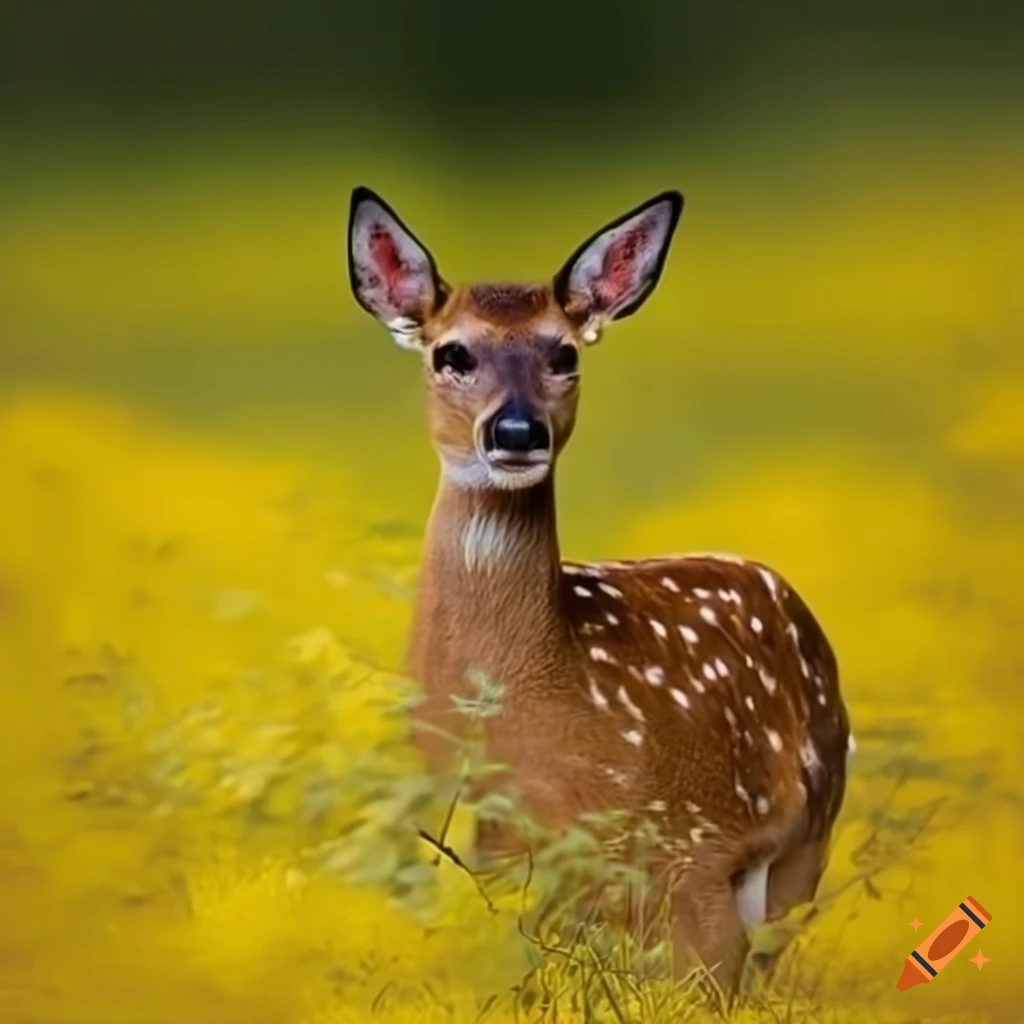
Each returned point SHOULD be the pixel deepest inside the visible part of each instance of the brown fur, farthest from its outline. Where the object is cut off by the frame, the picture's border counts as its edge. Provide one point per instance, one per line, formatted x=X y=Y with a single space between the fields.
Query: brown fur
x=507 y=304
x=740 y=734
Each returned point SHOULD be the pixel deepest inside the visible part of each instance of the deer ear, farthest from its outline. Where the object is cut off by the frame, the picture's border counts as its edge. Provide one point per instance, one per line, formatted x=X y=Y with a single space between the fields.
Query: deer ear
x=614 y=271
x=393 y=275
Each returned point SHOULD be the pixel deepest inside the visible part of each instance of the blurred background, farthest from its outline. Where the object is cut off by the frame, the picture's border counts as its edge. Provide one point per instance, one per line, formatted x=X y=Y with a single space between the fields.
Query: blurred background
x=214 y=474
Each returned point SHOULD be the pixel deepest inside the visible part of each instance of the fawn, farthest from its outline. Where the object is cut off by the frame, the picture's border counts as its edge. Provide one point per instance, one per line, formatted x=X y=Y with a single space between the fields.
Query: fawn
x=700 y=685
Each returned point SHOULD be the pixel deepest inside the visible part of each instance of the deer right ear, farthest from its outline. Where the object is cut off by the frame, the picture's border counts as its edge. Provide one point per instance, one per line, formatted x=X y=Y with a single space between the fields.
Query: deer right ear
x=615 y=270
x=393 y=275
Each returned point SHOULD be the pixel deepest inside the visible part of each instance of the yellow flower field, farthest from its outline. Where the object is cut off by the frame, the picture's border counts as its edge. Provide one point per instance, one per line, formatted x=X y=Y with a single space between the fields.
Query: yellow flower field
x=213 y=478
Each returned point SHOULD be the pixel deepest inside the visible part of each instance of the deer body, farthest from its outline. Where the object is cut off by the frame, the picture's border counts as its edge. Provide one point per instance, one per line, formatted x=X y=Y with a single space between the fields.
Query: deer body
x=701 y=686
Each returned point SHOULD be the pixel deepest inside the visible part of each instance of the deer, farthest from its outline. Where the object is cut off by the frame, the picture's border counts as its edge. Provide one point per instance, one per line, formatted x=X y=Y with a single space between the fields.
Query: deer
x=699 y=684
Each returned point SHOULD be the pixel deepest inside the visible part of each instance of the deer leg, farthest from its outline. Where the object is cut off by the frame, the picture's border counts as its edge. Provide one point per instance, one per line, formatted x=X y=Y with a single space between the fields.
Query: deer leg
x=792 y=880
x=706 y=924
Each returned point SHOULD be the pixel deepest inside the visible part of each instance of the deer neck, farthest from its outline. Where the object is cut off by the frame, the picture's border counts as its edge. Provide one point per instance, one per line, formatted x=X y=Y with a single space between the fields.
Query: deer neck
x=489 y=590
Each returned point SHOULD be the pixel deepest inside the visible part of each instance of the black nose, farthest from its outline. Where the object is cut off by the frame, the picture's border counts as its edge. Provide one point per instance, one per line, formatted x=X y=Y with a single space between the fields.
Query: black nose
x=515 y=428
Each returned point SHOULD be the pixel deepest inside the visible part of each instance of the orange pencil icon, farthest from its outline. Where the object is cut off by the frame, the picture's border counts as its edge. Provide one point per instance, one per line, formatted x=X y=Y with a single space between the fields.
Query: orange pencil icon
x=943 y=944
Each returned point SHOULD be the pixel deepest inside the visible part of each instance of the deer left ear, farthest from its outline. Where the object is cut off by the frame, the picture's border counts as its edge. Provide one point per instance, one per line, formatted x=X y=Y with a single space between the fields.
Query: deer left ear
x=613 y=272
x=393 y=276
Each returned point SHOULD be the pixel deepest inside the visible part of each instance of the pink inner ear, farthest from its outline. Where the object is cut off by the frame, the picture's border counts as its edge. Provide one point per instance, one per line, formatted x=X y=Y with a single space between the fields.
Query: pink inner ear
x=619 y=266
x=387 y=262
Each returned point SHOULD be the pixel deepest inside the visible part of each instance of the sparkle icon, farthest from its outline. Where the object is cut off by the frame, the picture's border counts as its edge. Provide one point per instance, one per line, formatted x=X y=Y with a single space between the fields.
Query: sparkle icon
x=980 y=959
x=925 y=962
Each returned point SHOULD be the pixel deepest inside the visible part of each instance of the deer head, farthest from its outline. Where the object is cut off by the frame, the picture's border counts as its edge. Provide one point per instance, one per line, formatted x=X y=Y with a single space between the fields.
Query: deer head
x=501 y=362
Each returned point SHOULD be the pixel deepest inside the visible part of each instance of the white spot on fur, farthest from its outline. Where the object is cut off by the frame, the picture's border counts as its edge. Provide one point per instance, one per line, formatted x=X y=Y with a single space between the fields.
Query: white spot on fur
x=822 y=699
x=721 y=668
x=689 y=634
x=749 y=701
x=680 y=698
x=768 y=681
x=701 y=593
x=619 y=778
x=613 y=619
x=670 y=584
x=627 y=703
x=774 y=739
x=763 y=807
x=696 y=683
x=709 y=672
x=770 y=582
x=659 y=628
x=582 y=592
x=692 y=808
x=810 y=758
x=609 y=590
x=633 y=736
x=752 y=896
x=851 y=746
x=696 y=836
x=730 y=717
x=599 y=699
x=708 y=614
x=794 y=634
x=741 y=792
x=600 y=654
x=654 y=674
x=756 y=624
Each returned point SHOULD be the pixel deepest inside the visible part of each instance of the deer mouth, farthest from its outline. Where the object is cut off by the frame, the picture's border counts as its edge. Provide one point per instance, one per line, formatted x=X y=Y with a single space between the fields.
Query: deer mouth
x=515 y=461
x=514 y=470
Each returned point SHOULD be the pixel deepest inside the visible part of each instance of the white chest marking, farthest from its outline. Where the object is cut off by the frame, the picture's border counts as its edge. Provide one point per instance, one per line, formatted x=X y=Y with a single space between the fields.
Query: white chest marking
x=487 y=539
x=752 y=895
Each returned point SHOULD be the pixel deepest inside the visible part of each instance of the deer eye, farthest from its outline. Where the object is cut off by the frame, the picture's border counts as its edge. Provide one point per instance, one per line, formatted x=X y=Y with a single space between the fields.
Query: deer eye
x=453 y=356
x=565 y=360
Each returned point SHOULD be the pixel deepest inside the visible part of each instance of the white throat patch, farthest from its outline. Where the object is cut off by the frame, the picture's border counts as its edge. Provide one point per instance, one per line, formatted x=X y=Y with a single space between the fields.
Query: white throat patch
x=489 y=539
